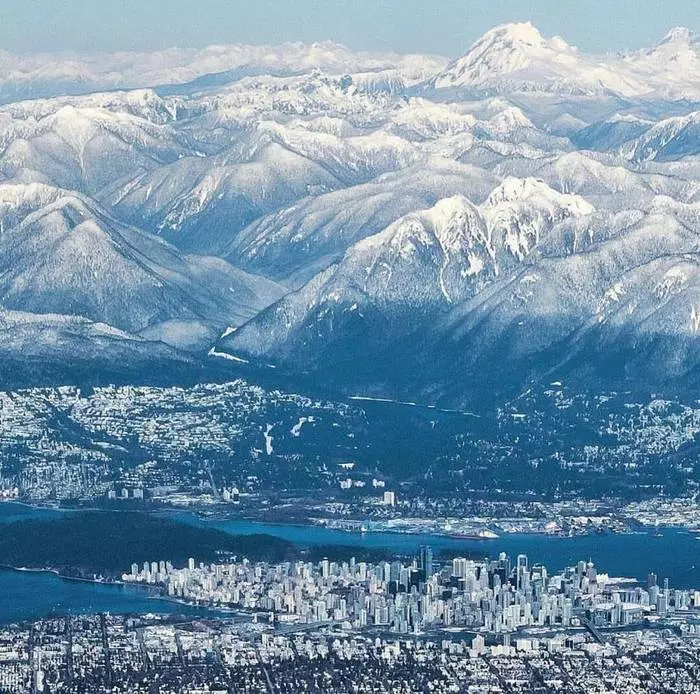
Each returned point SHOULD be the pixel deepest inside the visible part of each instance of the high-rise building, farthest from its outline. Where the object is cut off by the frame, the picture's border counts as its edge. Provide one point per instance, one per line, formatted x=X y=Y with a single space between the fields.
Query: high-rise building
x=425 y=563
x=521 y=568
x=459 y=567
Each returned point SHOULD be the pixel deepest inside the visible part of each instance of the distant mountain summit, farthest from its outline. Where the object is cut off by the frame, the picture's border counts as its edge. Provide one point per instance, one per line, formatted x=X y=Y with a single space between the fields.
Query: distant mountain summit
x=517 y=58
x=506 y=50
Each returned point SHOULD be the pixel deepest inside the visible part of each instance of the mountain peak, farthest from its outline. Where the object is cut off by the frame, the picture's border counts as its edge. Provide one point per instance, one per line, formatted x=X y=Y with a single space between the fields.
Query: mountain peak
x=523 y=32
x=503 y=51
x=678 y=35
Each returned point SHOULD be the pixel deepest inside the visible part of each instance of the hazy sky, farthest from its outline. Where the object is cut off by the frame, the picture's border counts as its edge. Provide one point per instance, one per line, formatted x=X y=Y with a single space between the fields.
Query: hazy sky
x=438 y=26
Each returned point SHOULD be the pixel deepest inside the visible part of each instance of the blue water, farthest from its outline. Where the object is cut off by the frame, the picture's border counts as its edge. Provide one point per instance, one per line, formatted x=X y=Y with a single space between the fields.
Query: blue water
x=29 y=595
x=11 y=512
x=675 y=555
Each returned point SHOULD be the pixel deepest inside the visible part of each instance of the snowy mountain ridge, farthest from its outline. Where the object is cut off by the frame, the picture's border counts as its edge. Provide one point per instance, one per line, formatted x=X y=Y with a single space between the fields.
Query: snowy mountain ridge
x=398 y=225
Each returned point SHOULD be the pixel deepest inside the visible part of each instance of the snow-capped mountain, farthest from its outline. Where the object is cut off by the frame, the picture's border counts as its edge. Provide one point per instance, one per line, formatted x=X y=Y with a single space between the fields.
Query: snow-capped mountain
x=389 y=284
x=672 y=66
x=293 y=244
x=669 y=140
x=517 y=58
x=200 y=203
x=61 y=254
x=82 y=147
x=573 y=308
x=622 y=315
x=611 y=134
x=382 y=223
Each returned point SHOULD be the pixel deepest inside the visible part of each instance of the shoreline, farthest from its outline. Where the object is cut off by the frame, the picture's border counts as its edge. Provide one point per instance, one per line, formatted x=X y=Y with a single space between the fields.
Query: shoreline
x=154 y=592
x=215 y=518
x=64 y=577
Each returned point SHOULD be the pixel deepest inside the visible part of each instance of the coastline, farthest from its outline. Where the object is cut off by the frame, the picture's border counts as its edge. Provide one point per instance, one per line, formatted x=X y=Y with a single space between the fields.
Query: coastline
x=630 y=556
x=214 y=518
x=64 y=577
x=207 y=516
x=156 y=592
x=313 y=524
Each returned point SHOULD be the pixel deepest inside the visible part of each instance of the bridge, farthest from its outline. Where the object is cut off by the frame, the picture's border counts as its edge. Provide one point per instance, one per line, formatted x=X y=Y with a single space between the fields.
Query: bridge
x=592 y=629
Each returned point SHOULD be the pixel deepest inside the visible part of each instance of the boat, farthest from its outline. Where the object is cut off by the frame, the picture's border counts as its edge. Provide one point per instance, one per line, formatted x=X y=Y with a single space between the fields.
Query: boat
x=485 y=534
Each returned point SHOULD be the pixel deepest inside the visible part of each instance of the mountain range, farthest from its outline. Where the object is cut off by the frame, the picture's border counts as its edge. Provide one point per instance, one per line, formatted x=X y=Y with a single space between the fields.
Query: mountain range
x=395 y=226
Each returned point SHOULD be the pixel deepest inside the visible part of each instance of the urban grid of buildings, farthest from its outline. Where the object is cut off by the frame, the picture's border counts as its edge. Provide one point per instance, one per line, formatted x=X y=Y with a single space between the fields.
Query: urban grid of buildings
x=492 y=596
x=148 y=654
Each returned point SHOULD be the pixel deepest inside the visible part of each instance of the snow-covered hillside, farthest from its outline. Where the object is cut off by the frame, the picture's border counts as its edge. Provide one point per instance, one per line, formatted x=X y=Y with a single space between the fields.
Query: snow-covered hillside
x=60 y=253
x=384 y=223
x=391 y=283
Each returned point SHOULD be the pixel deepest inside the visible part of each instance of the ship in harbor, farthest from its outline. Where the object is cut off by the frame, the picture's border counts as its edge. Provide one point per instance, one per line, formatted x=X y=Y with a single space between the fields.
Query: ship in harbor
x=478 y=534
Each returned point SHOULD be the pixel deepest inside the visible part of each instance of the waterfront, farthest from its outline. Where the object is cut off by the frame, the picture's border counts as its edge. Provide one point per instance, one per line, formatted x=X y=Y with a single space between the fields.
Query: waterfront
x=674 y=554
x=26 y=595
x=11 y=512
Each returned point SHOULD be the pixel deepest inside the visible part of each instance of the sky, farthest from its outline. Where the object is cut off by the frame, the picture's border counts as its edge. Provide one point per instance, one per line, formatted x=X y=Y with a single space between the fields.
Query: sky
x=446 y=27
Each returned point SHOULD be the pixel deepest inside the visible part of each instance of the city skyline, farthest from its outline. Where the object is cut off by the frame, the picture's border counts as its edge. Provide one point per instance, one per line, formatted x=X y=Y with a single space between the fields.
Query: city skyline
x=490 y=596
